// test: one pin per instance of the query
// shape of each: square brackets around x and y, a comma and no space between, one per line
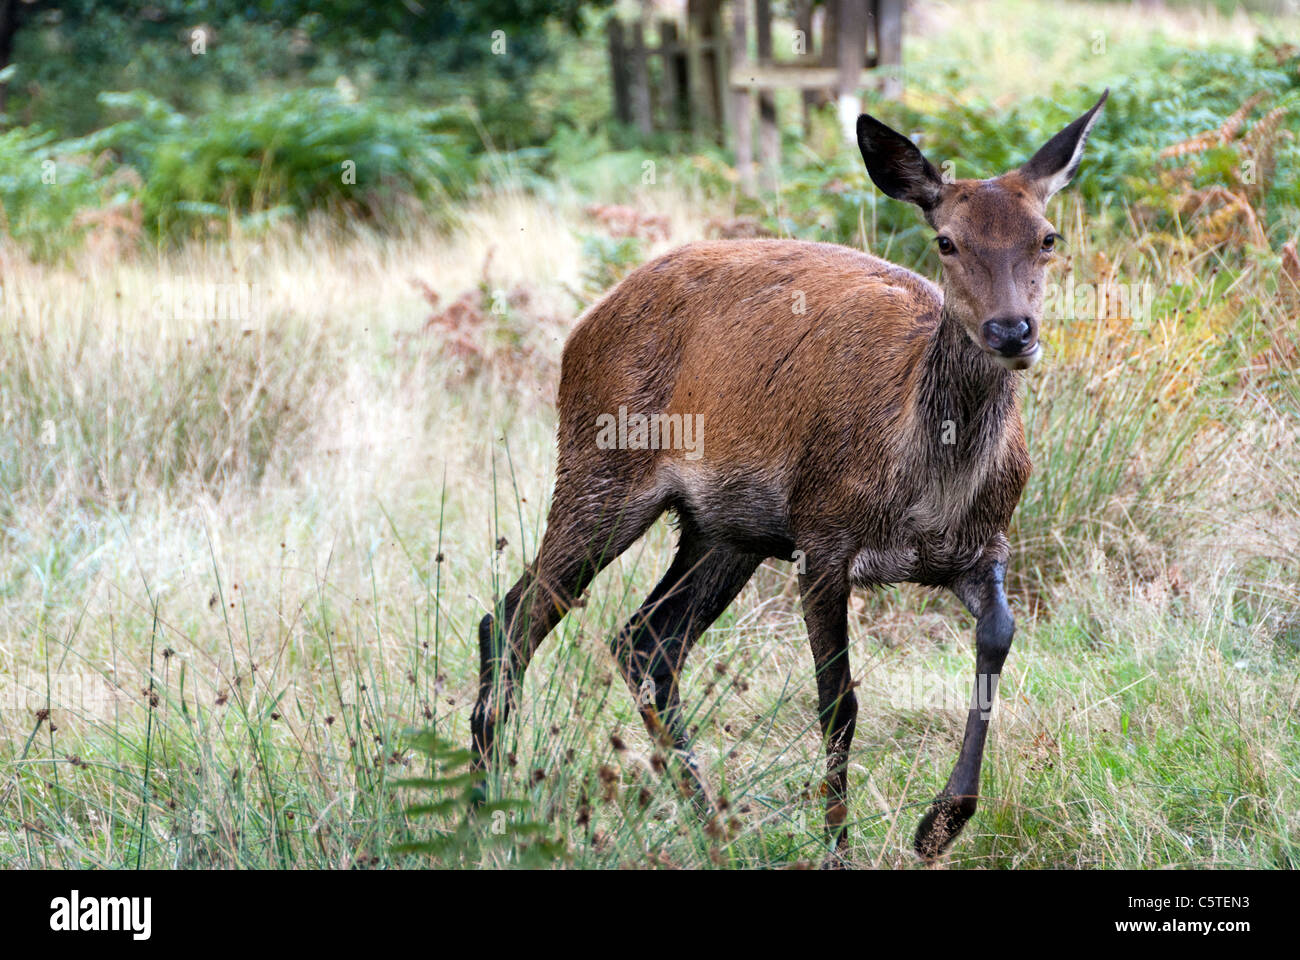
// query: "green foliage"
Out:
[609,260]
[67,51]
[295,153]
[1178,95]
[43,188]
[468,823]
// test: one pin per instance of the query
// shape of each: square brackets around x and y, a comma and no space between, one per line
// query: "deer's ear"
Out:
[1053,166]
[896,166]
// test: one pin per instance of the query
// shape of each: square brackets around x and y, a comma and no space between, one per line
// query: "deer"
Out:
[851,415]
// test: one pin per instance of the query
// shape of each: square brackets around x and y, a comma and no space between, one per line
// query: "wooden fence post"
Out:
[639,68]
[741,106]
[830,44]
[769,135]
[851,41]
[671,90]
[803,23]
[889,46]
[703,117]
[618,72]
[721,76]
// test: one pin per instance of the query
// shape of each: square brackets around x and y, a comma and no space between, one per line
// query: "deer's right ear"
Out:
[896,166]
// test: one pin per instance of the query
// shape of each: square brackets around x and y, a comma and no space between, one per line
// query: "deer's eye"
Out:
[946,246]
[1049,242]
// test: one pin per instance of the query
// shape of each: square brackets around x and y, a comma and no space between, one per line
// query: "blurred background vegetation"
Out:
[184,117]
[242,553]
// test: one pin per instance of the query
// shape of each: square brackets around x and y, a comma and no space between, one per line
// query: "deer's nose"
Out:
[1009,336]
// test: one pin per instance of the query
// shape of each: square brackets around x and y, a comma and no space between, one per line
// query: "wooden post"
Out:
[769,135]
[721,69]
[741,101]
[889,47]
[639,69]
[681,65]
[803,23]
[851,44]
[704,118]
[830,45]
[670,95]
[618,72]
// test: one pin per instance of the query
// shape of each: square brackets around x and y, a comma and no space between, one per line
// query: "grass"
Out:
[243,559]
[246,527]
[1016,47]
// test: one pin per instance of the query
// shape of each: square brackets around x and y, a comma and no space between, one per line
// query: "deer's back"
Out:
[794,358]
[772,342]
[756,336]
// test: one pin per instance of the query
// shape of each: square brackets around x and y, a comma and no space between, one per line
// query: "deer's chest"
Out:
[931,537]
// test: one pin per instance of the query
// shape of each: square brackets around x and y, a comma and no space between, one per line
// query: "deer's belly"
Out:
[872,565]
[919,556]
[744,511]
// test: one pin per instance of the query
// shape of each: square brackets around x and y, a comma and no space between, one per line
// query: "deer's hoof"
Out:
[941,824]
[836,861]
[693,787]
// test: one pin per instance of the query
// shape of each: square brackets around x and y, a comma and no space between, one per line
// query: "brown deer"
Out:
[849,415]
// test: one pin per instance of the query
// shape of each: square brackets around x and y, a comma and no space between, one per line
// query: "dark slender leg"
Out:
[983,594]
[575,548]
[825,597]
[652,647]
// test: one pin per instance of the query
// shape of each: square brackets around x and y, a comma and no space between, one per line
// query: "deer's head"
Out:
[994,239]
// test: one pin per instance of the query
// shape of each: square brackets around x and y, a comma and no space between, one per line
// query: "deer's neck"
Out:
[963,401]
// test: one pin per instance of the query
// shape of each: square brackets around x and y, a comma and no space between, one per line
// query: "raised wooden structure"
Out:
[710,82]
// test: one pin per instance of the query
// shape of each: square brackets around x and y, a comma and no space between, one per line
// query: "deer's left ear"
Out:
[1052,167]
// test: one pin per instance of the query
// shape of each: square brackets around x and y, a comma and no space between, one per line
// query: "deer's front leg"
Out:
[982,592]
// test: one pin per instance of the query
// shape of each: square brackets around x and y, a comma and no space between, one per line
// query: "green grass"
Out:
[1131,733]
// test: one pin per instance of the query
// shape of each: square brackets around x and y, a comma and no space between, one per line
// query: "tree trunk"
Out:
[8,29]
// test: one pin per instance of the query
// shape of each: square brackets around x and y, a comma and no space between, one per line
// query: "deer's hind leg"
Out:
[824,592]
[583,535]
[651,649]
